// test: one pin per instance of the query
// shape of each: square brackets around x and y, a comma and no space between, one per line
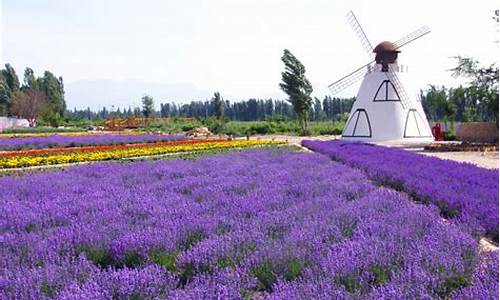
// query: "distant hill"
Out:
[124,93]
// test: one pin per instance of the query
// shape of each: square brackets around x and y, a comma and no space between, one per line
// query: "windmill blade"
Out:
[403,96]
[349,79]
[360,33]
[412,36]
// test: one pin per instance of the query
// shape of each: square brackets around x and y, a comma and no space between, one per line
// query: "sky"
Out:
[110,52]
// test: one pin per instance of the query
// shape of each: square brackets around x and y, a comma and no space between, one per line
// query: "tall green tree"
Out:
[30,81]
[218,106]
[5,96]
[297,87]
[437,105]
[9,84]
[147,106]
[483,83]
[317,109]
[54,91]
[11,78]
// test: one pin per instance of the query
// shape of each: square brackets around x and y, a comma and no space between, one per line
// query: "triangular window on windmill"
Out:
[415,126]
[386,92]
[358,125]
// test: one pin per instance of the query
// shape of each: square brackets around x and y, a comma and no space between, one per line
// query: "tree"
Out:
[28,104]
[437,105]
[218,106]
[317,109]
[147,106]
[483,84]
[5,95]
[11,78]
[297,87]
[9,84]
[54,92]
[30,81]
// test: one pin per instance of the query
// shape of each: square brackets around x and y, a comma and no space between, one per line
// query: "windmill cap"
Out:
[386,46]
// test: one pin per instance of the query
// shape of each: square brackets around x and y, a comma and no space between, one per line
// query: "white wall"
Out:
[6,122]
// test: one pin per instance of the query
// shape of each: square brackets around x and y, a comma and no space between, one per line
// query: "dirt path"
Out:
[488,160]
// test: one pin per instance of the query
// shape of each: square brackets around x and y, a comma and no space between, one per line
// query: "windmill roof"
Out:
[385,46]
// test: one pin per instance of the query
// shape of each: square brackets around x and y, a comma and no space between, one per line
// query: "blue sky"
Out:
[193,48]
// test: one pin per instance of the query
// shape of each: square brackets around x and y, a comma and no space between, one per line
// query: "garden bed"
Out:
[41,157]
[463,192]
[60,141]
[461,147]
[256,224]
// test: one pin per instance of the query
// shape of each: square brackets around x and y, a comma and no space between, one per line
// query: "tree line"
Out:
[329,108]
[476,101]
[35,98]
[43,98]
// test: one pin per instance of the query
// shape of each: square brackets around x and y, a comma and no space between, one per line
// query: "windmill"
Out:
[384,109]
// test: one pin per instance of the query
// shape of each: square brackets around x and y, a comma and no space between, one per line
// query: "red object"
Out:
[436,131]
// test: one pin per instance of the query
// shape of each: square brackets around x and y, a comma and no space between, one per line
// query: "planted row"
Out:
[120,152]
[52,141]
[53,151]
[462,191]
[255,224]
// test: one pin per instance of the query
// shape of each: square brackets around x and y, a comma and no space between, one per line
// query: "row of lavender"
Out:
[462,192]
[60,141]
[256,224]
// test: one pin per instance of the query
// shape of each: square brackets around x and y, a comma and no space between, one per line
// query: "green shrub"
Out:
[192,238]
[267,272]
[98,256]
[265,275]
[165,259]
[188,127]
[349,281]
[449,135]
[380,273]
[293,270]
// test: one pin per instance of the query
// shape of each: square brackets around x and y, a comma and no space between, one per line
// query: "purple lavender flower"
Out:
[59,141]
[463,192]
[262,224]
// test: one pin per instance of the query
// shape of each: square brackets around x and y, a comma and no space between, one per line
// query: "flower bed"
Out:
[50,141]
[48,151]
[462,191]
[71,133]
[122,151]
[255,224]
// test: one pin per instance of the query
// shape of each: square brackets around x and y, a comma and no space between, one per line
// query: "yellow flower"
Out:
[27,161]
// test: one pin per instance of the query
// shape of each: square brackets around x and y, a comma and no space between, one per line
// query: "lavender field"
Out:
[61,141]
[259,224]
[463,192]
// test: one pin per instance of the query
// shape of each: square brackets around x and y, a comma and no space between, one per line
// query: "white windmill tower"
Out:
[385,109]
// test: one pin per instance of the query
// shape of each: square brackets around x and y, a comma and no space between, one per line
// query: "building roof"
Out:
[385,46]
